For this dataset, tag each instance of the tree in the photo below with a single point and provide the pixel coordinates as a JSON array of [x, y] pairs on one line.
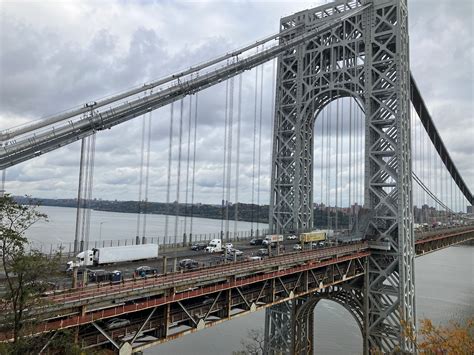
[[26, 271], [457, 337], [253, 343], [454, 338]]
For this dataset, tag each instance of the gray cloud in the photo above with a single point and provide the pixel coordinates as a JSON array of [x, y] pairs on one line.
[[54, 57]]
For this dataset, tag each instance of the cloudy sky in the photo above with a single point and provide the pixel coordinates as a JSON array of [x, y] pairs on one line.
[[58, 54]]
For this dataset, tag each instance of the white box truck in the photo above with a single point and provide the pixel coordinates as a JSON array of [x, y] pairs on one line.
[[112, 255], [272, 238], [214, 246]]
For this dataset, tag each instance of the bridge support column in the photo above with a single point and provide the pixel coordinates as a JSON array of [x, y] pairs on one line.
[[279, 329], [289, 326]]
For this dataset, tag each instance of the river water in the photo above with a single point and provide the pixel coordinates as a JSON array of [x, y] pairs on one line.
[[444, 287], [112, 226]]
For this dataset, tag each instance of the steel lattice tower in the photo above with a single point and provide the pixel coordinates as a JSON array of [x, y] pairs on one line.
[[365, 57]]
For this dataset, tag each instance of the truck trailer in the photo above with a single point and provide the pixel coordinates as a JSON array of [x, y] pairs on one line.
[[314, 236], [111, 255]]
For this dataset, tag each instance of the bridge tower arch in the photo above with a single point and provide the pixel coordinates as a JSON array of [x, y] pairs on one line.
[[298, 339], [365, 56]]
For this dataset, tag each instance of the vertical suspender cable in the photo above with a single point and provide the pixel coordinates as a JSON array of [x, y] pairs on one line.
[[337, 161], [423, 166], [323, 162], [343, 117], [190, 115], [237, 164], [350, 162], [253, 149], [194, 167], [259, 146], [414, 156], [328, 170], [170, 156], [362, 155], [229, 154], [140, 180], [84, 201], [79, 198], [178, 177], [341, 171], [90, 186], [224, 163], [360, 158], [147, 177], [273, 96], [431, 170]]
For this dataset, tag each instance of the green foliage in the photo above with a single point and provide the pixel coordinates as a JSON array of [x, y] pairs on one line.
[[26, 271]]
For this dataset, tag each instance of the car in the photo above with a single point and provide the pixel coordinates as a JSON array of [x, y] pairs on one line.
[[188, 264], [228, 246], [267, 242], [297, 247], [198, 246], [235, 251], [207, 300], [254, 258], [262, 252], [144, 271], [291, 237], [229, 257], [117, 323], [256, 241], [98, 275]]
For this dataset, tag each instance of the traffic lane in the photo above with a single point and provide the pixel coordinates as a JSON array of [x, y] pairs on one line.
[[200, 256], [205, 259], [173, 279]]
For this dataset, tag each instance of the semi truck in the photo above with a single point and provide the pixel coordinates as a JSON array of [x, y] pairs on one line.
[[214, 246], [111, 255], [314, 236]]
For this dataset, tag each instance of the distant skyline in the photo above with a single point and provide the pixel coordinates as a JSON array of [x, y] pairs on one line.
[[56, 55]]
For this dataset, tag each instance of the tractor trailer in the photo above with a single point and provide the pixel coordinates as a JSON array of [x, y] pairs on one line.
[[111, 255]]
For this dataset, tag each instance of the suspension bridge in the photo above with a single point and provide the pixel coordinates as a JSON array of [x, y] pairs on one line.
[[346, 101]]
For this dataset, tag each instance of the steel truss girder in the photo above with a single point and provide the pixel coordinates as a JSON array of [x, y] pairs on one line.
[[366, 57], [166, 322]]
